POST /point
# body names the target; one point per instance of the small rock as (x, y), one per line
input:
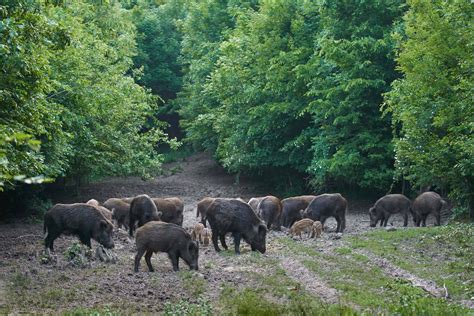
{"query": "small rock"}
(337, 236)
(390, 229)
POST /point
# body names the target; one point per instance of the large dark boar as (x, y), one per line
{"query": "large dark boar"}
(142, 210)
(120, 211)
(328, 205)
(165, 237)
(424, 204)
(269, 209)
(388, 205)
(291, 208)
(203, 205)
(80, 219)
(236, 217)
(171, 210)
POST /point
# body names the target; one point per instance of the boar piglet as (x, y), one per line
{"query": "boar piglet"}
(80, 219)
(165, 237)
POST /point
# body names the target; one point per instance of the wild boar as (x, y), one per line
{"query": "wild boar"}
(253, 202)
(291, 208)
(197, 232)
(201, 209)
(317, 229)
(80, 219)
(142, 210)
(236, 217)
(206, 236)
(165, 237)
(105, 212)
(204, 204)
(328, 205)
(303, 225)
(269, 209)
(128, 199)
(171, 209)
(388, 205)
(425, 204)
(120, 212)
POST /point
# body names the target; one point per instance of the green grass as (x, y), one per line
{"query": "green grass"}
(193, 283)
(182, 307)
(443, 254)
(366, 285)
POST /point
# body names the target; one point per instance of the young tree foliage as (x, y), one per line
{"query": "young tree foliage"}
(432, 105)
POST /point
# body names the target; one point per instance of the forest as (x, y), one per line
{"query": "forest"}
(307, 95)
(297, 126)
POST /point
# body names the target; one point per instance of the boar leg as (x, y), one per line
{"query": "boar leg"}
(138, 257)
(424, 220)
(173, 255)
(339, 226)
(86, 240)
(237, 238)
(49, 240)
(214, 241)
(405, 219)
(222, 238)
(148, 255)
(438, 219)
(385, 221)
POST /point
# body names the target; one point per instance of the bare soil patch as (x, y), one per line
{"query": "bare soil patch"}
(27, 285)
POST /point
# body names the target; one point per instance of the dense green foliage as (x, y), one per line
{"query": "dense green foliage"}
(342, 95)
(432, 105)
(66, 86)
(296, 86)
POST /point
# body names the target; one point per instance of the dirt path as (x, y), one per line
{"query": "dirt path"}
(45, 287)
(309, 280)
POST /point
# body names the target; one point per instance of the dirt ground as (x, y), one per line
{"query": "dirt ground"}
(28, 285)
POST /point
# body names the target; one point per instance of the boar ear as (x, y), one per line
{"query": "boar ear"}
(160, 214)
(302, 213)
(103, 224)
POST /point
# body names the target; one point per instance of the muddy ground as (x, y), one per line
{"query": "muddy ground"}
(27, 284)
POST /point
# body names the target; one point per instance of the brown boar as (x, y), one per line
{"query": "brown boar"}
(171, 209)
(303, 225)
(253, 202)
(80, 219)
(328, 205)
(197, 232)
(93, 202)
(388, 205)
(165, 237)
(425, 204)
(269, 209)
(236, 217)
(142, 211)
(120, 212)
(206, 236)
(291, 209)
(201, 209)
(317, 229)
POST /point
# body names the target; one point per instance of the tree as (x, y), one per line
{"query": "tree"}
(432, 105)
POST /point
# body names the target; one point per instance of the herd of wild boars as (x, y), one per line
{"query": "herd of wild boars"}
(156, 223)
